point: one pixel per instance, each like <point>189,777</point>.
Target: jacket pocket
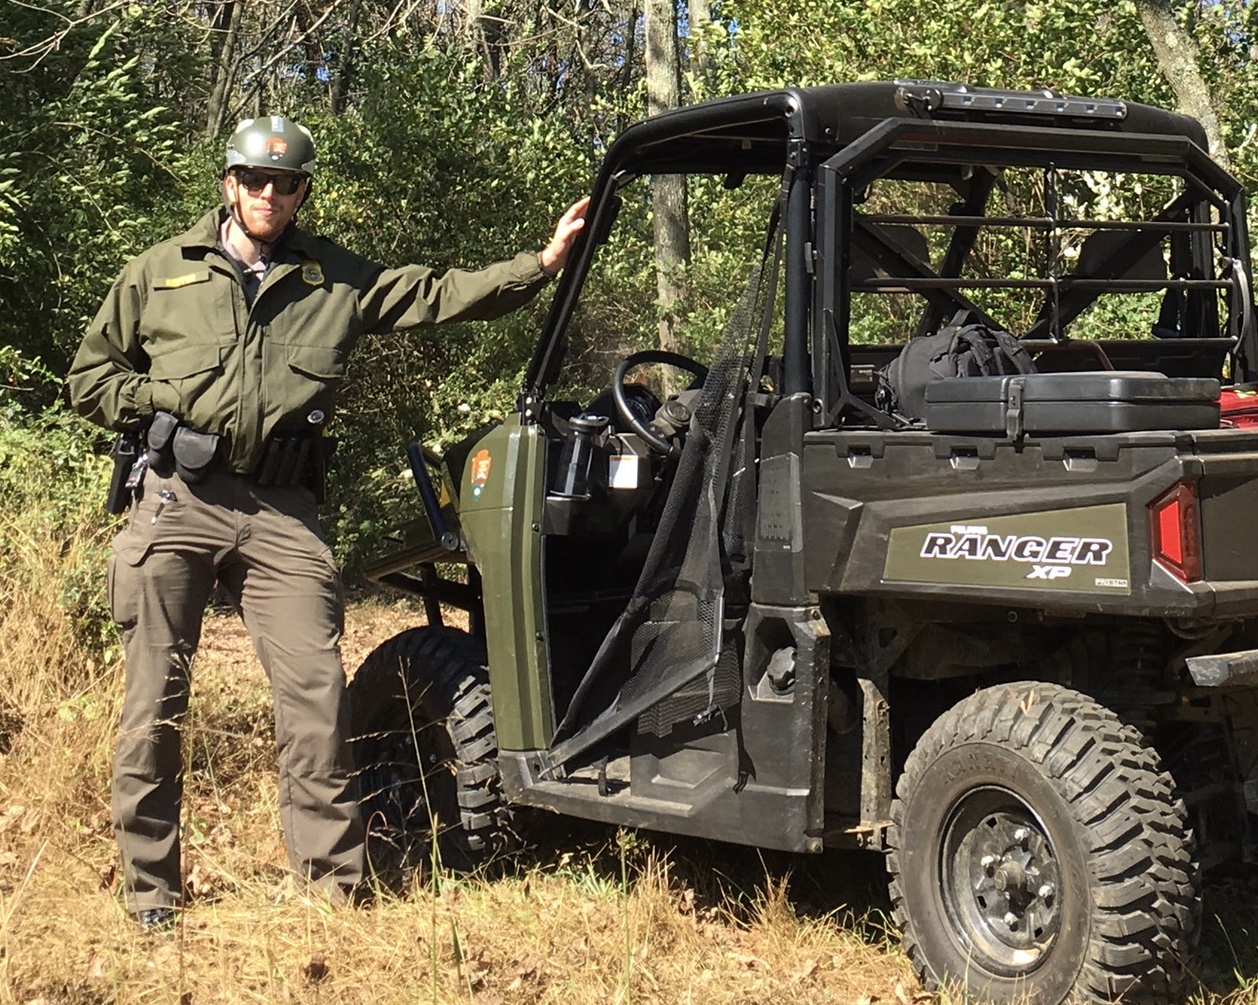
<point>324,363</point>
<point>190,371</point>
<point>192,307</point>
<point>186,362</point>
<point>300,382</point>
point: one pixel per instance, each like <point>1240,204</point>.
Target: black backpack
<point>959,349</point>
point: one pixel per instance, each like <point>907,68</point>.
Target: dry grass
<point>586,915</point>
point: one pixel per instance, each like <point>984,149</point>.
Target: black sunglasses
<point>256,181</point>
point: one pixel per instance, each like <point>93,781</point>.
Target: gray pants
<point>264,545</point>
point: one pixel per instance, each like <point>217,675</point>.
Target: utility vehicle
<point>1010,642</point>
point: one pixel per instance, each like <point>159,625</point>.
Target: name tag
<point>175,282</point>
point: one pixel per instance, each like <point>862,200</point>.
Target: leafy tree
<point>454,134</point>
<point>89,170</point>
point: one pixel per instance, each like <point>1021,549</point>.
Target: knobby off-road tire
<point>1039,853</point>
<point>426,753</point>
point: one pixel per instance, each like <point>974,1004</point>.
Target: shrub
<point>54,537</point>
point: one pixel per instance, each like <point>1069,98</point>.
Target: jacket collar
<point>294,246</point>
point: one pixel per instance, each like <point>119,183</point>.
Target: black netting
<point>710,695</point>
<point>672,626</point>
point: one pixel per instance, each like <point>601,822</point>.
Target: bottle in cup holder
<point>582,464</point>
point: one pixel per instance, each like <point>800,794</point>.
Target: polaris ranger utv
<point>993,617</point>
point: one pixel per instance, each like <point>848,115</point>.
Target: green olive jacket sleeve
<point>176,334</point>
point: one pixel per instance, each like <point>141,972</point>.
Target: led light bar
<point>936,96</point>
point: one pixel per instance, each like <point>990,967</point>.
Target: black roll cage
<point>927,150</point>
<point>830,143</point>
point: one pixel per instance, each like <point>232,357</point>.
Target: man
<point>224,346</point>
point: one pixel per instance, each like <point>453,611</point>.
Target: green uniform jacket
<point>175,333</point>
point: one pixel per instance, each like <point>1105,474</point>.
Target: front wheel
<point>1039,853</point>
<point>424,744</point>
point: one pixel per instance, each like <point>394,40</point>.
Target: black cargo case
<point>1065,404</point>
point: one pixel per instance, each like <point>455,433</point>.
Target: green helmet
<point>272,142</point>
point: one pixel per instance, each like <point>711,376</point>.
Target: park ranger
<point>223,348</point>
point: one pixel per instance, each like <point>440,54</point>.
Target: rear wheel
<point>1039,853</point>
<point>426,753</point>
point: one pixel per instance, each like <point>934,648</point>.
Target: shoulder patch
<point>312,272</point>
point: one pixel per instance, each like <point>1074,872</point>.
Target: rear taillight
<point>1176,528</point>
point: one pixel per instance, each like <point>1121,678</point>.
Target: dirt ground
<point>369,621</point>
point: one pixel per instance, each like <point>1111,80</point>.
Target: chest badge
<point>481,463</point>
<point>312,272</point>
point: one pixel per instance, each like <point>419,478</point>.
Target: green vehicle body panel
<point>500,491</point>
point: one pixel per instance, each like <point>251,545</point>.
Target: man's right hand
<point>554,256</point>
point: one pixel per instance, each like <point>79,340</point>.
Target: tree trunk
<point>626,76</point>
<point>345,65</point>
<point>224,28</point>
<point>669,219</point>
<point>700,54</point>
<point>1176,53</point>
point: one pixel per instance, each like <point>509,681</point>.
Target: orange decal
<point>481,463</point>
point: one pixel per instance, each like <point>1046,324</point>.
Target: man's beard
<point>267,229</point>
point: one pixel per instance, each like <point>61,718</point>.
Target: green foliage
<point>390,181</point>
<point>454,143</point>
<point>53,529</point>
<point>1081,47</point>
<point>1226,32</point>
<point>20,379</point>
<point>90,161</point>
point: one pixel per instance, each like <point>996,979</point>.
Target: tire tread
<point>435,677</point>
<point>1147,904</point>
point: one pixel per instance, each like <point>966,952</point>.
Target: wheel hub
<point>1010,878</point>
<point>1001,878</point>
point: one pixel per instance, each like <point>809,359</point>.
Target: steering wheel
<point>625,409</point>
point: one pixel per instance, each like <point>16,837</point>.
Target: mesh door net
<point>672,624</point>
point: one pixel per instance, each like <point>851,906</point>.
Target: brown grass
<point>589,915</point>
<point>586,915</point>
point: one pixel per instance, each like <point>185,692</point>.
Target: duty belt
<point>173,446</point>
<point>288,459</point>
<point>295,459</point>
<point>167,446</point>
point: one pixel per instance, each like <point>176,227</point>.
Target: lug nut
<point>1022,835</point>
<point>1011,920</point>
<point>988,862</point>
<point>1045,891</point>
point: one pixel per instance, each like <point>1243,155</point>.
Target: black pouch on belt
<point>194,453</point>
<point>295,459</point>
<point>160,440</point>
<point>324,447</point>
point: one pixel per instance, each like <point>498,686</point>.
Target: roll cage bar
<point>830,143</point>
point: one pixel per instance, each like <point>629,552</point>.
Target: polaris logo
<point>1050,558</point>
